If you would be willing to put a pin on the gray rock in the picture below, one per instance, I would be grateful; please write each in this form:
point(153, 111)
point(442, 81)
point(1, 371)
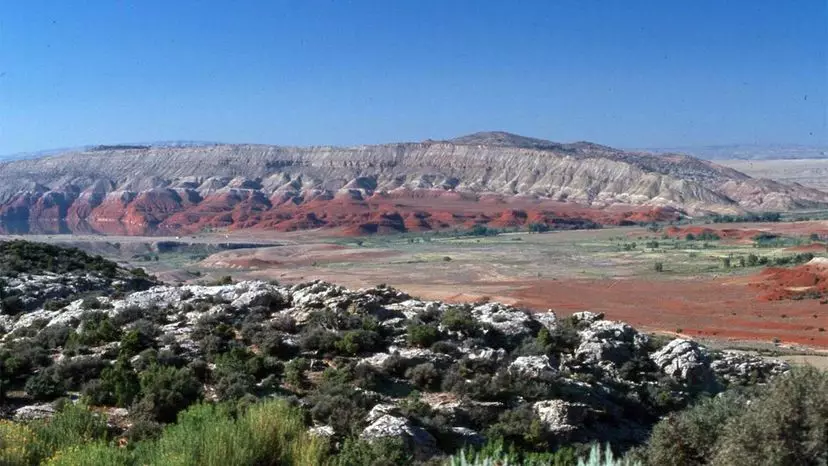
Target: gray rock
point(548, 319)
point(260, 294)
point(487, 354)
point(322, 431)
point(376, 360)
point(33, 412)
point(510, 321)
point(466, 436)
point(607, 341)
point(684, 360)
point(379, 411)
point(533, 367)
point(420, 355)
point(560, 416)
point(417, 440)
point(741, 368)
point(587, 317)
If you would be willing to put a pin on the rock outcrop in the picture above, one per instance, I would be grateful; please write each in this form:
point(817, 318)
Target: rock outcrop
point(492, 178)
point(495, 372)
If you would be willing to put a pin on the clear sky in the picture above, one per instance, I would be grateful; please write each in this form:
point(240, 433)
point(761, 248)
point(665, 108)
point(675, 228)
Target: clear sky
point(626, 73)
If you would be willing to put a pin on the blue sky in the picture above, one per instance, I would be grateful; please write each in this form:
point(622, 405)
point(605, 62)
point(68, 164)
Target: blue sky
point(624, 73)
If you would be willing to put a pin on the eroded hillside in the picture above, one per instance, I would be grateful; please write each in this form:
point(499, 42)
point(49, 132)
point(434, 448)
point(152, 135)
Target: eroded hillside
point(392, 187)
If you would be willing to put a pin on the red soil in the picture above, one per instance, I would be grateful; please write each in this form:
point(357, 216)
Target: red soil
point(718, 308)
point(804, 281)
point(724, 233)
point(408, 211)
point(746, 231)
point(814, 247)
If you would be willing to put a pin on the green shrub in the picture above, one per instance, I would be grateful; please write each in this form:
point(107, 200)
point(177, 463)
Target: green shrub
point(96, 329)
point(295, 372)
point(79, 370)
point(141, 337)
point(457, 319)
point(319, 340)
point(12, 305)
point(31, 257)
point(424, 376)
point(604, 457)
point(45, 385)
point(268, 433)
point(92, 454)
point(689, 437)
point(232, 384)
point(121, 381)
point(225, 280)
point(520, 427)
point(341, 406)
point(381, 452)
point(354, 342)
point(495, 453)
point(73, 425)
point(422, 335)
point(783, 423)
point(92, 303)
point(16, 444)
point(786, 424)
point(55, 304)
point(19, 359)
point(165, 391)
point(53, 336)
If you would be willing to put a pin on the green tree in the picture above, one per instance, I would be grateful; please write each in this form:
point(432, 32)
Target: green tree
point(122, 382)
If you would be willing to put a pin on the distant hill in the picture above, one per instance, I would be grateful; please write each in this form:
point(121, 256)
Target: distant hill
point(489, 178)
point(749, 151)
point(48, 152)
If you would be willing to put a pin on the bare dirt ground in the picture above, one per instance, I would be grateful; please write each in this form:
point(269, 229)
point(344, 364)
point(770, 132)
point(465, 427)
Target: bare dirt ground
point(609, 270)
point(570, 272)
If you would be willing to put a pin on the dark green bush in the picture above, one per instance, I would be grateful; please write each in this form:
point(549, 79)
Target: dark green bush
point(12, 305)
point(319, 340)
point(142, 334)
point(77, 371)
point(31, 257)
point(341, 406)
point(521, 427)
point(295, 372)
point(165, 391)
point(74, 425)
point(53, 336)
point(354, 342)
point(45, 385)
point(122, 382)
point(382, 452)
point(424, 376)
point(457, 319)
point(422, 335)
point(96, 328)
point(22, 358)
point(689, 437)
point(55, 304)
point(783, 423)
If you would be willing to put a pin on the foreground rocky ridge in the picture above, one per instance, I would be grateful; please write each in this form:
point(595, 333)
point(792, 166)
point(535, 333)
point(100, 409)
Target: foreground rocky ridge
point(377, 363)
point(494, 178)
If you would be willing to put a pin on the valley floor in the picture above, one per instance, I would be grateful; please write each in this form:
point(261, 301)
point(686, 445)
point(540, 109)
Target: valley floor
point(612, 270)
